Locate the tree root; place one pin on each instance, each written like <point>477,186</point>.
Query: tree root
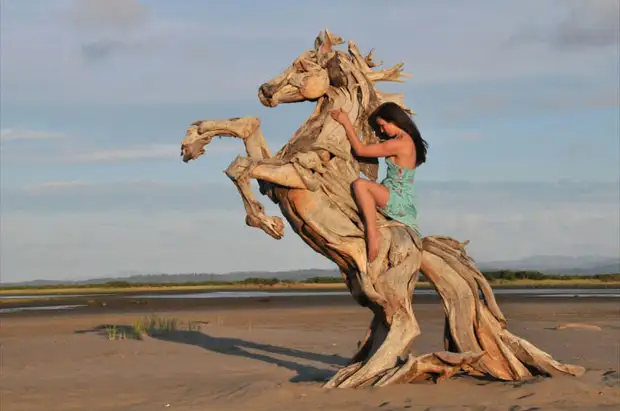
<point>477,341</point>
<point>436,366</point>
<point>474,324</point>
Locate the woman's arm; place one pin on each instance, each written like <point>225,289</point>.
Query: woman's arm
<point>385,149</point>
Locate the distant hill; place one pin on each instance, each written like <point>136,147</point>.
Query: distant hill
<point>293,275</point>
<point>585,265</point>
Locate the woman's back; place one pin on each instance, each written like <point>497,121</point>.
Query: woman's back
<point>406,156</point>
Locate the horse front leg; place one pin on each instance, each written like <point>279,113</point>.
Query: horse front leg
<point>259,165</point>
<point>242,169</point>
<point>201,133</point>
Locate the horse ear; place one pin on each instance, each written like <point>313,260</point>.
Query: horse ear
<point>318,41</point>
<point>322,44</point>
<point>325,43</point>
<point>333,39</point>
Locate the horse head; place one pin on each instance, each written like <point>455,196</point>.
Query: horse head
<point>311,75</point>
<point>307,78</point>
<point>334,79</point>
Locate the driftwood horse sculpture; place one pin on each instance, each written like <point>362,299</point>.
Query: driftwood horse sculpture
<point>310,178</point>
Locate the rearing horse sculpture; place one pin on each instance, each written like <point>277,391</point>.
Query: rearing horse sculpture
<point>310,178</point>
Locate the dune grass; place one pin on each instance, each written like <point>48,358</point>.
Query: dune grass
<point>148,326</point>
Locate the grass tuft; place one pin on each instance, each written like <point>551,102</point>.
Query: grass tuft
<point>149,326</point>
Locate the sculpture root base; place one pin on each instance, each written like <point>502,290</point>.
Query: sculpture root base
<point>434,367</point>
<point>476,338</point>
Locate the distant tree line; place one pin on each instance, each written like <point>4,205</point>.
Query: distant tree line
<point>492,276</point>
<point>538,276</point>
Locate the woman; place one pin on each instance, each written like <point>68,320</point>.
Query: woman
<point>404,149</point>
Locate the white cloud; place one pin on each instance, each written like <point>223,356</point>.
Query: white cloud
<point>129,153</point>
<point>94,244</point>
<point>109,27</point>
<point>89,230</point>
<point>101,15</point>
<point>147,151</point>
<point>448,136</point>
<point>589,24</point>
<point>609,98</point>
<point>81,196</point>
<point>548,98</point>
<point>10,134</point>
<point>157,57</point>
<point>509,232</point>
<point>57,184</point>
<point>75,151</point>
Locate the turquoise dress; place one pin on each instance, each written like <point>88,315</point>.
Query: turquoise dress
<point>402,203</point>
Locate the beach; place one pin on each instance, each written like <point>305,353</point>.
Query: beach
<point>259,354</point>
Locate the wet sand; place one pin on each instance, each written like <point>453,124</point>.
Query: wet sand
<point>137,301</point>
<point>256,355</point>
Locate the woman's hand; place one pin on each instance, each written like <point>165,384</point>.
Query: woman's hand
<point>340,116</point>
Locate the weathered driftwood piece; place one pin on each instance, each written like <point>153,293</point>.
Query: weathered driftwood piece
<point>310,178</point>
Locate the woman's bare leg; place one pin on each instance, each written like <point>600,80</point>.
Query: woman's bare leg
<point>368,196</point>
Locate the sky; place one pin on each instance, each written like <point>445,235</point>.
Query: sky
<point>519,102</point>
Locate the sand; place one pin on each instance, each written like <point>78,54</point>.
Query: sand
<point>258,357</point>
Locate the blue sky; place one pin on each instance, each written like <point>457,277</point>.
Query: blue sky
<point>518,101</point>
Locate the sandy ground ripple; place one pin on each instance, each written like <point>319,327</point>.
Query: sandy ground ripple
<point>259,359</point>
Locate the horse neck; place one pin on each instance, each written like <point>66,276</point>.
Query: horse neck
<point>310,129</point>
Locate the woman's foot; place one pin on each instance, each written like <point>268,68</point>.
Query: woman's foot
<point>373,241</point>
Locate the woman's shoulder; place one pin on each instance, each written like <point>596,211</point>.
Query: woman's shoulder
<point>406,142</point>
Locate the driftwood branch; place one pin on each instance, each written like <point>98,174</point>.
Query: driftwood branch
<point>310,181</point>
<point>366,65</point>
<point>394,73</point>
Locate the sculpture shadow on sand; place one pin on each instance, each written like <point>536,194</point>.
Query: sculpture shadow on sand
<point>239,347</point>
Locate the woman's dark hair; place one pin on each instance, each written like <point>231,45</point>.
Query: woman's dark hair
<point>393,113</point>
